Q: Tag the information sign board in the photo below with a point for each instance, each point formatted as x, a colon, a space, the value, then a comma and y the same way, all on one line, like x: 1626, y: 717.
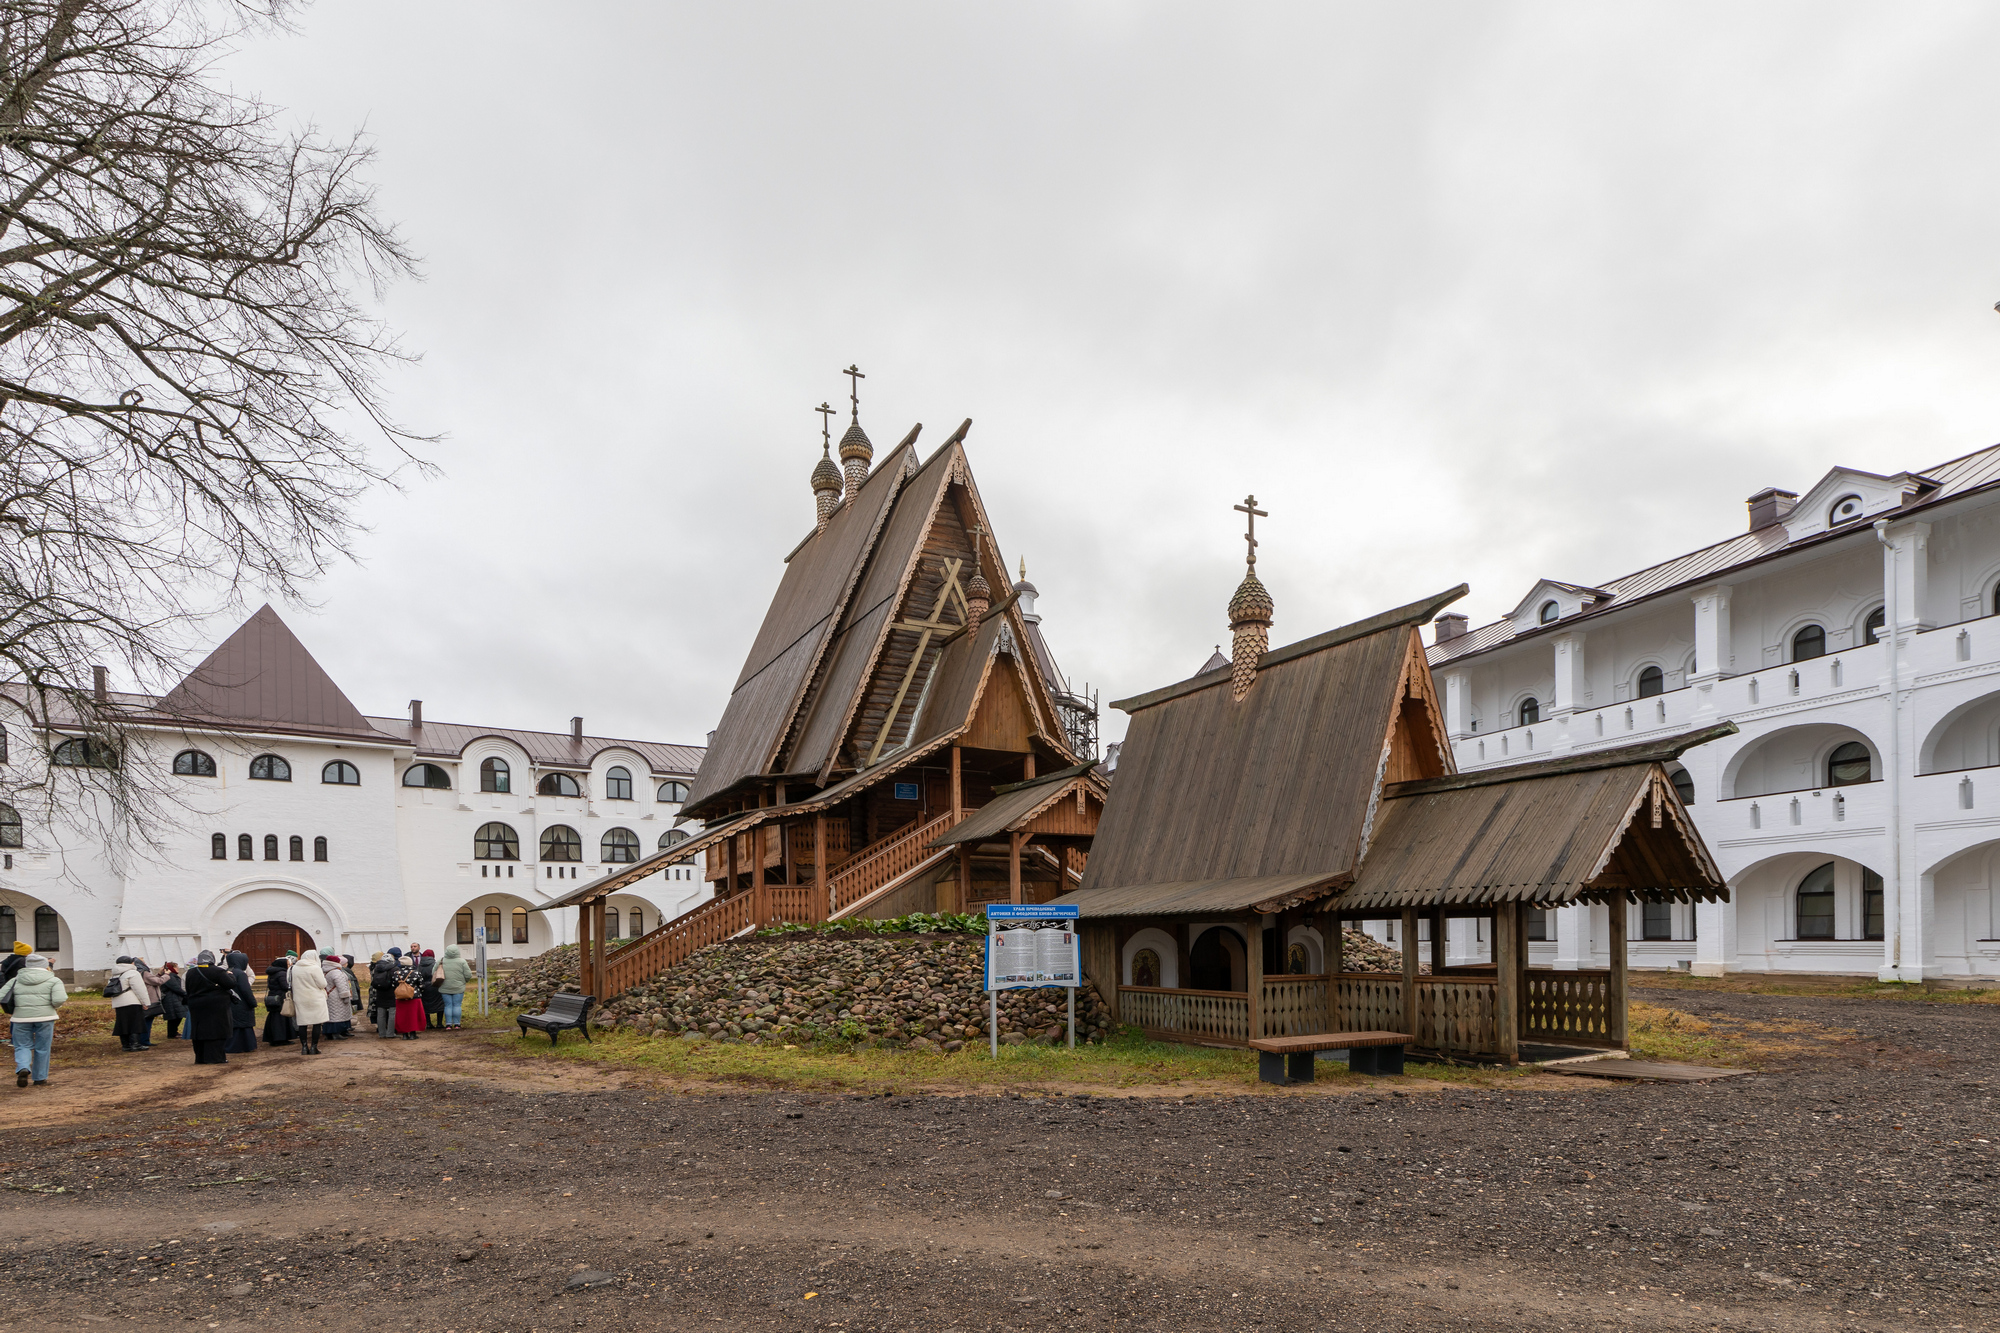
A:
x: 1030, y: 945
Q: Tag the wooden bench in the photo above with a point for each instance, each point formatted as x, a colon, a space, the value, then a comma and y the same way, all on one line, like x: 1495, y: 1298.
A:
x: 566, y: 1010
x: 1287, y: 1060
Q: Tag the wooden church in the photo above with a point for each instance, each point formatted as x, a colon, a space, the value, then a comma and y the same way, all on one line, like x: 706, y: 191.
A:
x: 1263, y: 803
x: 894, y: 741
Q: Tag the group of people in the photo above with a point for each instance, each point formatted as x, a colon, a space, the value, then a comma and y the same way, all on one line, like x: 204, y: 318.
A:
x: 213, y: 1005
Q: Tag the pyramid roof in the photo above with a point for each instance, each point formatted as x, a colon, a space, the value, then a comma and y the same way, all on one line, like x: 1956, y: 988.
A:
x: 262, y: 676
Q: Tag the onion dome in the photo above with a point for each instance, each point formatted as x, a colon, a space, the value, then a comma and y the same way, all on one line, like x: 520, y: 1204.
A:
x: 856, y: 453
x: 1252, y: 603
x: 978, y: 590
x: 826, y: 477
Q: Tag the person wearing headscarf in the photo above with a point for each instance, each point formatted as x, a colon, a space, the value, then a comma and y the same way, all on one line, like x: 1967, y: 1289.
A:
x: 37, y: 995
x: 382, y: 991
x: 452, y: 976
x: 306, y: 984
x: 428, y: 989
x: 410, y: 1010
x: 211, y: 1000
x: 14, y: 961
x: 278, y: 1029
x: 339, y: 997
x: 243, y: 1009
x: 128, y: 1006
x: 173, y: 997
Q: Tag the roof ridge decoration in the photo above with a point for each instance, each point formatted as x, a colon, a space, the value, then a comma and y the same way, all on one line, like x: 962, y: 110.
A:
x: 1249, y: 610
x: 263, y: 674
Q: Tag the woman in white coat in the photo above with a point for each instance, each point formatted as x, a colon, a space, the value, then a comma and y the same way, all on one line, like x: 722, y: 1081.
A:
x: 308, y: 993
x: 128, y: 1006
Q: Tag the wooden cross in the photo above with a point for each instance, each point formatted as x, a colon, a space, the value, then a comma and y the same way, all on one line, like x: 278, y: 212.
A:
x: 826, y: 412
x: 1249, y: 507
x: 854, y: 378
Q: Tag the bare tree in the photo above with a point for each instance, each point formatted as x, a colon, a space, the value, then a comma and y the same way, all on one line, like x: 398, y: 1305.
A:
x: 189, y: 383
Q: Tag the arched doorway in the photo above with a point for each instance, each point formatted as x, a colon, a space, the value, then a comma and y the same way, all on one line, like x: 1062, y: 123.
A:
x: 270, y: 939
x: 1215, y: 961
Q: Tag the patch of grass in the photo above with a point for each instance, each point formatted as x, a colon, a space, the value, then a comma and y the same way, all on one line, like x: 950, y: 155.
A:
x: 1659, y: 1033
x: 1128, y: 1061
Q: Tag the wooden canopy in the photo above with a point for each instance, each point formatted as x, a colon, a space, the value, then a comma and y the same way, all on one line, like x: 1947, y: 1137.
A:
x: 1035, y: 806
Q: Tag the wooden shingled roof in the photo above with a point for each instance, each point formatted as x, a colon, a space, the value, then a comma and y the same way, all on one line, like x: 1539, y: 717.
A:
x: 838, y: 685
x: 1222, y: 804
x: 1579, y: 828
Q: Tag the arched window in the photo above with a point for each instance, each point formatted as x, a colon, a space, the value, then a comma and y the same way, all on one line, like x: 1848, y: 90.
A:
x: 617, y: 784
x: 494, y: 775
x: 1809, y: 643
x: 560, y: 843
x: 1549, y: 613
x: 10, y: 826
x: 611, y: 931
x: 637, y: 922
x: 1845, y: 510
x: 427, y: 775
x: 319, y: 849
x: 492, y: 924
x: 1531, y: 712
x: 1871, y: 630
x: 297, y: 849
x: 520, y: 915
x: 48, y: 930
x: 1816, y: 904
x: 1683, y: 785
x: 670, y: 837
x: 675, y: 792
x: 1847, y: 765
x: 340, y: 773
x: 194, y: 764
x: 81, y: 752
x: 1652, y: 681
x: 496, y: 842
x: 464, y: 923
x: 558, y: 784
x: 620, y: 846
x: 1871, y: 904
x: 245, y: 848
x: 270, y: 768
x: 218, y: 847
x: 270, y: 846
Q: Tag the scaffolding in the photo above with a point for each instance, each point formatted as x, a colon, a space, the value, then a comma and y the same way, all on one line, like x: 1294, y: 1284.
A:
x: 1079, y: 721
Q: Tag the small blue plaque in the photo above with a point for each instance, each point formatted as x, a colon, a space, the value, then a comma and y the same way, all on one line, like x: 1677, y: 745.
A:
x: 907, y: 791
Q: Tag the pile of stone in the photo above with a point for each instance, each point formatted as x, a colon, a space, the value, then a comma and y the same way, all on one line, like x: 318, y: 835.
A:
x: 1362, y: 954
x: 530, y: 985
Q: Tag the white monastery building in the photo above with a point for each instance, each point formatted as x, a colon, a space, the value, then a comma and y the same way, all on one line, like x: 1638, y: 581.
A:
x: 296, y: 821
x: 1856, y: 814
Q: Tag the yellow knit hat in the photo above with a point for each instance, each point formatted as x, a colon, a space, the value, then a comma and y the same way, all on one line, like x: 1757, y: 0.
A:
x: 21, y: 947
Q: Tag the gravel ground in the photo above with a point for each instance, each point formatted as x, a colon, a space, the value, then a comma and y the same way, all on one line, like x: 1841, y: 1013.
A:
x: 1850, y: 1185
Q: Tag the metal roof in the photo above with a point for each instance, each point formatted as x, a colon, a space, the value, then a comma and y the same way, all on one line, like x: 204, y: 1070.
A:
x: 1254, y: 893
x: 546, y: 749
x: 1019, y: 802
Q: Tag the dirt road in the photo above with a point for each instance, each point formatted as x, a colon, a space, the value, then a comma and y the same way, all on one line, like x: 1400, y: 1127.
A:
x: 432, y: 1185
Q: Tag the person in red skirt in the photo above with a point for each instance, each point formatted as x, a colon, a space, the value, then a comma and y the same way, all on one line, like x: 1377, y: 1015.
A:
x: 410, y: 1017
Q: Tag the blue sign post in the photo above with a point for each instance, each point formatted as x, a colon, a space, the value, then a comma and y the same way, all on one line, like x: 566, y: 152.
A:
x: 1030, y: 946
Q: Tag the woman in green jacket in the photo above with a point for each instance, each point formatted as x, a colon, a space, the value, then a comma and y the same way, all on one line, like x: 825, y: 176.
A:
x: 452, y: 975
x: 36, y: 995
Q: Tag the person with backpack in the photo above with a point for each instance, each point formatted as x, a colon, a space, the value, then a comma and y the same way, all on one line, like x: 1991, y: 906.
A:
x: 126, y: 986
x: 382, y: 992
x: 34, y: 996
x: 14, y: 961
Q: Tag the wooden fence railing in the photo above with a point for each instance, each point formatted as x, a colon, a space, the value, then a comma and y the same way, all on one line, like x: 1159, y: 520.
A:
x: 889, y: 859
x: 1187, y: 1015
x: 1456, y: 1014
x: 1568, y: 1007
x: 657, y: 950
x: 1293, y: 1006
x: 1368, y: 1002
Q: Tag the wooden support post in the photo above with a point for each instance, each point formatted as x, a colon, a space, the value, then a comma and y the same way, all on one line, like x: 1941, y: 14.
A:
x: 734, y: 838
x: 1437, y: 941
x: 1028, y: 770
x: 1616, y: 993
x: 1506, y: 983
x: 821, y: 906
x: 583, y: 956
x: 1336, y: 963
x: 759, y: 900
x: 1253, y: 969
x: 957, y: 789
x: 1520, y: 965
x: 597, y: 955
x: 1410, y: 975
x: 1014, y: 841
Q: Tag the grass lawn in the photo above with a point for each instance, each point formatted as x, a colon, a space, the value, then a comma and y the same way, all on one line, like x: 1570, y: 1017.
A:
x: 1128, y: 1062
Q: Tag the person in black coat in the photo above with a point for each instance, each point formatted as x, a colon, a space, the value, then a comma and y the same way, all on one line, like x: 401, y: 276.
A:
x: 243, y: 1010
x: 211, y: 996
x: 278, y: 1029
x: 14, y: 961
x: 173, y: 999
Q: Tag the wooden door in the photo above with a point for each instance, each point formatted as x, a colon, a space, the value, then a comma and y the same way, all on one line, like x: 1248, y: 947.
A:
x: 270, y: 939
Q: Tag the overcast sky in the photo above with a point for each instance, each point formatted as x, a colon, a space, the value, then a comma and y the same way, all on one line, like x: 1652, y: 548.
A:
x: 1467, y: 292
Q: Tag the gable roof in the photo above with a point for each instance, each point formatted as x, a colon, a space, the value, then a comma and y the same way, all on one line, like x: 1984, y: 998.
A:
x: 545, y: 749
x: 1221, y: 802
x: 263, y: 676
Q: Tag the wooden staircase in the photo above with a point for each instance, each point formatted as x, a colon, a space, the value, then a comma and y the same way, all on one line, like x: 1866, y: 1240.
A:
x: 877, y: 870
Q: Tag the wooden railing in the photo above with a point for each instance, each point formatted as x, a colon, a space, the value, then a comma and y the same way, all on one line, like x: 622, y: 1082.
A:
x: 889, y: 859
x: 1456, y: 1014
x: 1368, y: 1002
x: 1568, y: 1007
x: 1218, y: 1016
x: 657, y: 950
x: 1293, y: 1006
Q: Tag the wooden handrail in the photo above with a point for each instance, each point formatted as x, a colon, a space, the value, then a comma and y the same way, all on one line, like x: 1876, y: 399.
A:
x: 890, y: 857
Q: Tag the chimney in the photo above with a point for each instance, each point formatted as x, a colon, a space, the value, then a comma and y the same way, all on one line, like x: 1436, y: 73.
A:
x: 1769, y: 506
x: 100, y: 684
x: 576, y: 730
x: 1449, y: 626
x: 416, y: 715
